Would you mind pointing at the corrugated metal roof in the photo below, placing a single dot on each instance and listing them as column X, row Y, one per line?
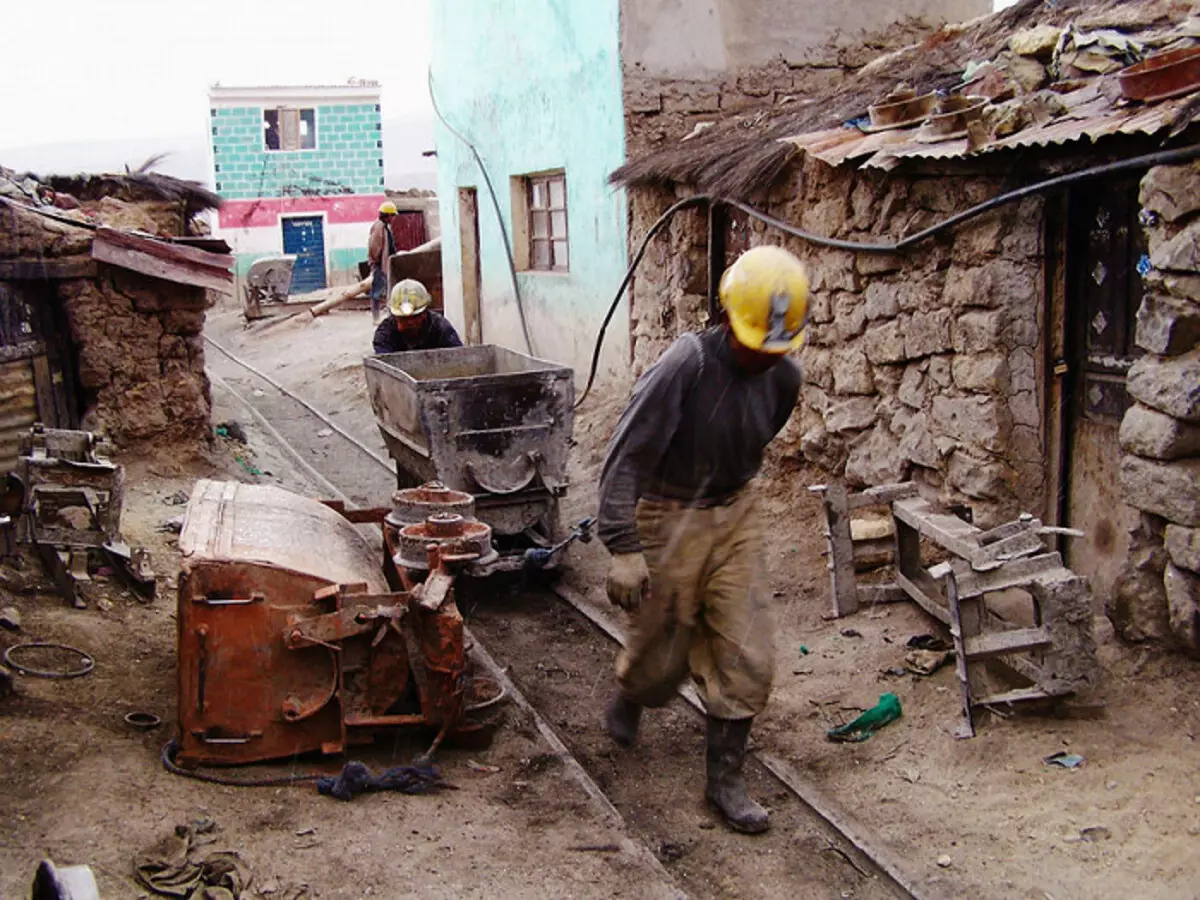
column 1090, row 116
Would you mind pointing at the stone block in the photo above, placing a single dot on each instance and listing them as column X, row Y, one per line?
column 928, row 333
column 878, row 263
column 980, row 421
column 1022, row 370
column 1171, row 385
column 852, row 373
column 888, row 379
column 825, row 449
column 940, row 371
column 690, row 97
column 1155, row 435
column 1183, row 547
column 833, row 271
column 849, row 316
column 1167, row 489
column 917, row 444
column 1182, row 287
column 886, row 343
column 817, row 364
column 1167, row 326
column 1024, row 409
column 876, row 459
column 1171, row 192
column 854, row 414
column 820, row 307
column 984, row 372
column 913, row 391
column 1022, row 330
column 882, row 300
column 978, row 331
column 1179, row 254
column 978, row 478
column 980, row 237
column 1183, row 606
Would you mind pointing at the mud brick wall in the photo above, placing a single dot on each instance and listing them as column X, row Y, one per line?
column 138, row 341
column 922, row 365
column 1158, row 594
column 141, row 356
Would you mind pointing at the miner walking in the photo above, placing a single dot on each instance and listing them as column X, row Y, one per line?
column 680, row 516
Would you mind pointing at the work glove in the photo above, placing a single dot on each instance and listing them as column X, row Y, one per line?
column 628, row 581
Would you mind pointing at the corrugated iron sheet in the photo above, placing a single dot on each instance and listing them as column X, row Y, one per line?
column 1091, row 116
column 18, row 409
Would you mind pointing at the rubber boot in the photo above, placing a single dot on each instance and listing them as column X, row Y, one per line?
column 622, row 720
column 726, row 787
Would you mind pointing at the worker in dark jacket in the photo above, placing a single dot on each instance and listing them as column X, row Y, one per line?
column 412, row 325
column 679, row 513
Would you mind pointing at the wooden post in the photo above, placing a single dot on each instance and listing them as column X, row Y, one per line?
column 841, row 552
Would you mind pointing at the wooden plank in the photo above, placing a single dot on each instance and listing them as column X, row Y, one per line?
column 957, row 629
column 44, row 386
column 172, row 252
column 947, row 531
column 25, row 350
column 136, row 261
column 1009, row 548
column 922, row 599
column 48, row 268
column 1007, row 530
column 870, row 594
column 882, row 495
column 841, row 549
column 998, row 643
column 1009, row 575
column 1018, row 695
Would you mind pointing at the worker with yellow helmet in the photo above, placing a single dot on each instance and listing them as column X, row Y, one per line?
column 412, row 325
column 680, row 516
column 381, row 244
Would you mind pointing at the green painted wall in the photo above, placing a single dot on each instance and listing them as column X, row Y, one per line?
column 348, row 158
column 536, row 85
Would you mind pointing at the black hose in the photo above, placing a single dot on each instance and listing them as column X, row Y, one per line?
column 1164, row 157
column 168, row 760
column 637, row 258
column 512, row 263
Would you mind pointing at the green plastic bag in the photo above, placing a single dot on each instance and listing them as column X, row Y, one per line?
column 885, row 711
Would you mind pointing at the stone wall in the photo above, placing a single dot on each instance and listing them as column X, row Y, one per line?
column 1159, row 590
column 137, row 342
column 921, row 365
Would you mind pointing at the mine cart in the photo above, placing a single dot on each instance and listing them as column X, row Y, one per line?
column 486, row 421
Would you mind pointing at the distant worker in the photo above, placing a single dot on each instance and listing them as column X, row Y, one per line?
column 680, row 515
column 412, row 325
column 381, row 244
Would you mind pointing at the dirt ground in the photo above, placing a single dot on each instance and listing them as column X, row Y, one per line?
column 81, row 786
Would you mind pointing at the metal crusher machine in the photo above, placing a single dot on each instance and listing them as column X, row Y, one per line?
column 293, row 638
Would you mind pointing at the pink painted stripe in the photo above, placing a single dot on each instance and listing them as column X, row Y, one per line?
column 265, row 212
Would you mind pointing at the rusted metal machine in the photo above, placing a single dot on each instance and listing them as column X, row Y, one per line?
column 292, row 640
column 487, row 422
column 71, row 496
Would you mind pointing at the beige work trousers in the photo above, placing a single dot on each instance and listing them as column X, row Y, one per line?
column 708, row 612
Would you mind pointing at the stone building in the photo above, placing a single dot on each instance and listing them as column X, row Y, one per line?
column 101, row 328
column 552, row 95
column 1040, row 356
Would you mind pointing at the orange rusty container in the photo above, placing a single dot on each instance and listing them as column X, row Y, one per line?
column 257, row 561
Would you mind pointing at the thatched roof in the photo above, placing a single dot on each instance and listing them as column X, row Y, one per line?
column 743, row 155
column 133, row 187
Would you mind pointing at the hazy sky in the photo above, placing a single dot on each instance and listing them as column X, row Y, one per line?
column 84, row 70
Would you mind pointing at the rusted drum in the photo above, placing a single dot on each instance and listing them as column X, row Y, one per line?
column 458, row 540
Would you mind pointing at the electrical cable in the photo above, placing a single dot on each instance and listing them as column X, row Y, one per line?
column 512, row 263
column 168, row 760
column 1164, row 157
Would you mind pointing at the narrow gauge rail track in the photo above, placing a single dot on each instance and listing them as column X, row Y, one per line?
column 562, row 681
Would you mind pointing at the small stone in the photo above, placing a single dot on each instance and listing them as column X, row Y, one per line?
column 1156, row 435
column 944, row 861
column 325, row 432
column 10, row 618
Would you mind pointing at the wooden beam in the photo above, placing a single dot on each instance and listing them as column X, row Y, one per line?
column 48, row 269
column 882, row 495
column 926, row 601
column 841, row 550
column 26, row 350
column 1009, row 575
column 950, row 532
column 998, row 643
column 43, row 384
column 870, row 594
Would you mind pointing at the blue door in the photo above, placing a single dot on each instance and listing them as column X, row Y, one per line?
column 305, row 236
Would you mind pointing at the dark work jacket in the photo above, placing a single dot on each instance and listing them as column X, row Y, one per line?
column 437, row 332
column 695, row 430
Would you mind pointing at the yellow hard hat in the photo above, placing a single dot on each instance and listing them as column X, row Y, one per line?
column 765, row 294
column 408, row 298
column 387, row 207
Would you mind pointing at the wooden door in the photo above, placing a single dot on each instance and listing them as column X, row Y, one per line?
column 1105, row 246
column 468, row 234
column 408, row 229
